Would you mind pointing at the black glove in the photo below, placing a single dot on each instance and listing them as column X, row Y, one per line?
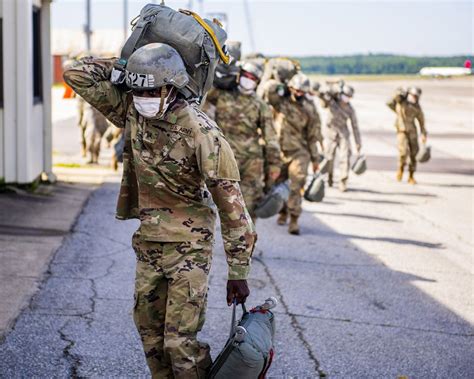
column 237, row 289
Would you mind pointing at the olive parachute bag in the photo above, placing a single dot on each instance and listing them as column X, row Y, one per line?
column 315, row 190
column 248, row 353
column 199, row 42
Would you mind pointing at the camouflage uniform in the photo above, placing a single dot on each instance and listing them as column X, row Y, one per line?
column 407, row 133
column 95, row 126
column 247, row 124
column 172, row 166
column 82, row 124
column 299, row 129
column 337, row 134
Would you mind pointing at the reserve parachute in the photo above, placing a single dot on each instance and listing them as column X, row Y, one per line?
column 201, row 44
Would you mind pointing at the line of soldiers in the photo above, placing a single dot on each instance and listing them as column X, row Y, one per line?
column 267, row 110
column 181, row 168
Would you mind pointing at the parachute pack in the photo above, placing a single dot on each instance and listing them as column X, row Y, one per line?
column 248, row 353
column 200, row 42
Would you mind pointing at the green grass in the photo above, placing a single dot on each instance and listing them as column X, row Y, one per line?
column 68, row 165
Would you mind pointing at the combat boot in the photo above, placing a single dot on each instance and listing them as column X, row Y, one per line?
column 411, row 179
column 343, row 185
column 330, row 181
column 400, row 173
column 293, row 228
column 282, row 218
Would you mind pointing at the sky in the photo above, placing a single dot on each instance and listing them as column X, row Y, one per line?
column 305, row 28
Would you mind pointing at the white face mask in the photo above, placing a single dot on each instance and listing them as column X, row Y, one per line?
column 346, row 99
column 149, row 107
column 411, row 99
column 246, row 85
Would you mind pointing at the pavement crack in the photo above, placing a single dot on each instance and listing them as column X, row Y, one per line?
column 102, row 237
column 383, row 325
column 71, row 358
column 294, row 321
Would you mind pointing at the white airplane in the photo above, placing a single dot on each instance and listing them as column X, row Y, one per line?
column 445, row 71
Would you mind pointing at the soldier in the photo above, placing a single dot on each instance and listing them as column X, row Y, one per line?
column 299, row 128
column 178, row 168
column 407, row 107
column 248, row 126
column 337, row 134
column 95, row 126
column 81, row 104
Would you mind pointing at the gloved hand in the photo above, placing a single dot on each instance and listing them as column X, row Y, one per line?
column 237, row 289
column 358, row 147
column 315, row 167
column 423, row 138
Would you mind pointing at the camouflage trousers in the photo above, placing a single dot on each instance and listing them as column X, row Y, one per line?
column 338, row 139
column 252, row 182
column 295, row 168
column 170, row 303
column 407, row 148
column 93, row 139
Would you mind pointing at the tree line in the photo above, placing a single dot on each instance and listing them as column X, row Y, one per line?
column 374, row 64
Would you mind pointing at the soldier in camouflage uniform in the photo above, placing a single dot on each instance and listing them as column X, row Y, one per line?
column 337, row 134
column 299, row 129
column 248, row 126
column 407, row 107
column 178, row 171
column 95, row 126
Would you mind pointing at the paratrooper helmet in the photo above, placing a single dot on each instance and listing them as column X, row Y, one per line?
column 300, row 82
column 253, row 68
column 415, row 91
column 155, row 65
column 348, row 90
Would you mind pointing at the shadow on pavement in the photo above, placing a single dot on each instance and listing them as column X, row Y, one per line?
column 357, row 317
column 355, row 215
column 413, row 194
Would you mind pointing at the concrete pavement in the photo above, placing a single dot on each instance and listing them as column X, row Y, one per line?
column 32, row 228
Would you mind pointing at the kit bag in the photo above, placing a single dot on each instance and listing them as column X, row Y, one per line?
column 200, row 42
column 248, row 353
column 315, row 191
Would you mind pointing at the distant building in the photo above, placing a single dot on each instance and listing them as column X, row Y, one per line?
column 25, row 90
column 70, row 43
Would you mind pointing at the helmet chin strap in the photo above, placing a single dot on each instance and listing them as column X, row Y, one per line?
column 163, row 96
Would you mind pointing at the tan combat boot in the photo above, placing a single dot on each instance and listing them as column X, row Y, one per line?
column 400, row 173
column 282, row 218
column 293, row 228
column 411, row 179
column 343, row 185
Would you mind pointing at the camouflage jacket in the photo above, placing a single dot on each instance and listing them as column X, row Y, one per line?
column 171, row 168
column 297, row 122
column 247, row 124
column 338, row 115
column 407, row 113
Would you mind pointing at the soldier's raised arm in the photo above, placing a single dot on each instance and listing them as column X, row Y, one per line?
column 272, row 93
column 219, row 168
column 90, row 78
column 392, row 104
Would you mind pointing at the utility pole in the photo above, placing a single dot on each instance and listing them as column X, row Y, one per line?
column 125, row 19
column 87, row 26
column 249, row 25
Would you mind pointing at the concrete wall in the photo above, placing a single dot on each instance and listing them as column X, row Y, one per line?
column 26, row 126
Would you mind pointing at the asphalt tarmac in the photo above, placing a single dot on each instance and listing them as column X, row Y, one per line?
column 379, row 284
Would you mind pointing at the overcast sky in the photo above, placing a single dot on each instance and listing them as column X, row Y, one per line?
column 301, row 28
